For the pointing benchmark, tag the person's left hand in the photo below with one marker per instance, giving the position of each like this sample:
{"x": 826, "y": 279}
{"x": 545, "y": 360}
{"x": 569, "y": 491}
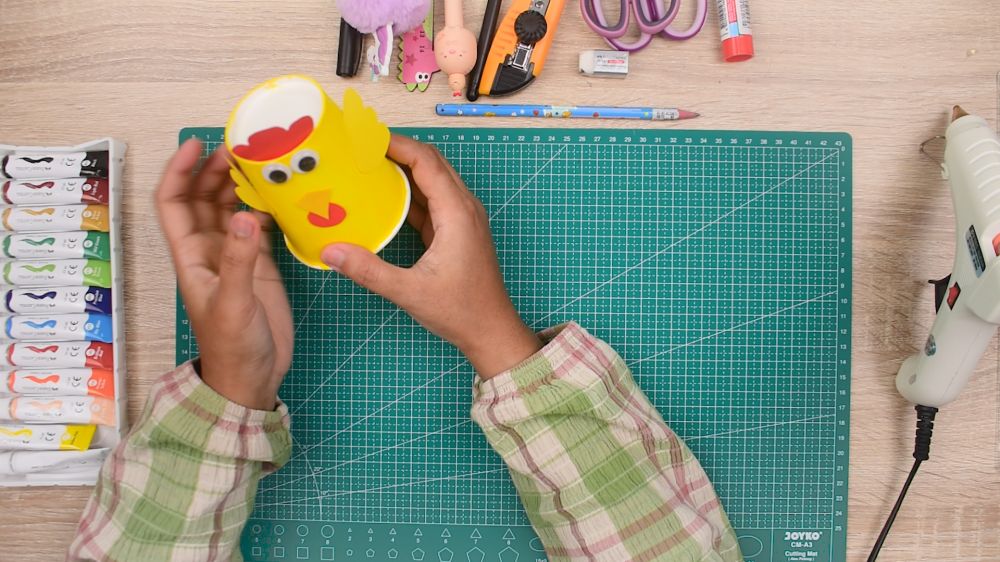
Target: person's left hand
{"x": 230, "y": 285}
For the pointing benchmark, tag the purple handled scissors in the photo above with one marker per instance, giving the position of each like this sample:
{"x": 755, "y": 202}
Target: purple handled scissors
{"x": 651, "y": 17}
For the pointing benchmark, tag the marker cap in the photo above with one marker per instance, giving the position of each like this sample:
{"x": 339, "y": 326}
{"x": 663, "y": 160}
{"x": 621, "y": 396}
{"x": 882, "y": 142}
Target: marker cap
{"x": 737, "y": 49}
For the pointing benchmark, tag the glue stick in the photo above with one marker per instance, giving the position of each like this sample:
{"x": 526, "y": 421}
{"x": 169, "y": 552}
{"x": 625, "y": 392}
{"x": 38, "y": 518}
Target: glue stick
{"x": 734, "y": 25}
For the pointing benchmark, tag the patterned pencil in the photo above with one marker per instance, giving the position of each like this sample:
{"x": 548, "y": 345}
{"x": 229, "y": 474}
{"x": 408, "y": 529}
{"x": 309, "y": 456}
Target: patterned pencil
{"x": 565, "y": 112}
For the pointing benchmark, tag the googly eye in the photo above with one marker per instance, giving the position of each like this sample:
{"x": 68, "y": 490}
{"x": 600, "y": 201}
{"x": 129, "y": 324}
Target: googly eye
{"x": 305, "y": 161}
{"x": 277, "y": 173}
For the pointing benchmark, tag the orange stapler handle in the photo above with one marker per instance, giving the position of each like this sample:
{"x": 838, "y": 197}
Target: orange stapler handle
{"x": 520, "y": 47}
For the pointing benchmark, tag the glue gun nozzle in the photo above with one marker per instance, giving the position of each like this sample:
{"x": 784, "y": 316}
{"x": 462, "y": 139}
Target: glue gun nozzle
{"x": 957, "y": 112}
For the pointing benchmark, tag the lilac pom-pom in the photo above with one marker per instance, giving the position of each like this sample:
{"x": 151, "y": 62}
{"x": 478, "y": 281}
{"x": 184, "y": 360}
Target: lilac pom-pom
{"x": 368, "y": 15}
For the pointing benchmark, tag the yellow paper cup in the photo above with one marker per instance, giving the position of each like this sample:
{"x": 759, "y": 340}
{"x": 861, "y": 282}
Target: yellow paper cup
{"x": 319, "y": 170}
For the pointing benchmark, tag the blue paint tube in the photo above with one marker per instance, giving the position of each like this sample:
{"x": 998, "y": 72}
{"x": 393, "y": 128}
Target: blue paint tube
{"x": 68, "y": 327}
{"x": 59, "y": 300}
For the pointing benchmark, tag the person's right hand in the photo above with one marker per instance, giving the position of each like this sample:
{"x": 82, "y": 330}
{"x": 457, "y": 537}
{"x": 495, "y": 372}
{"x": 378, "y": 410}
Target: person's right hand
{"x": 455, "y": 290}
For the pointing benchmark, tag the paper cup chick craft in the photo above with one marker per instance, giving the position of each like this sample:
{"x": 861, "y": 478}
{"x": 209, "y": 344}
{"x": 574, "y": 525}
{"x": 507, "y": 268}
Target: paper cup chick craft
{"x": 319, "y": 170}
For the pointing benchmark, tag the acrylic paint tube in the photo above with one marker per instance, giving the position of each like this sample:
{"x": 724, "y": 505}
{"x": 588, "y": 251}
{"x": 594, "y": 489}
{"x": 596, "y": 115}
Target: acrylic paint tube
{"x": 57, "y": 273}
{"x": 55, "y": 165}
{"x": 58, "y": 218}
{"x": 29, "y": 462}
{"x": 20, "y": 437}
{"x": 77, "y": 244}
{"x": 69, "y": 327}
{"x": 61, "y": 382}
{"x": 51, "y": 355}
{"x": 58, "y": 300}
{"x": 68, "y": 191}
{"x": 60, "y": 409}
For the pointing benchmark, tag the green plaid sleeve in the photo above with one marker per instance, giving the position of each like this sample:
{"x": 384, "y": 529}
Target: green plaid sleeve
{"x": 182, "y": 484}
{"x": 600, "y": 474}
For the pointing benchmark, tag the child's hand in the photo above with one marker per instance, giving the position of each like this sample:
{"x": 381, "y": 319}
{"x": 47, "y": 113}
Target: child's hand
{"x": 230, "y": 285}
{"x": 455, "y": 290}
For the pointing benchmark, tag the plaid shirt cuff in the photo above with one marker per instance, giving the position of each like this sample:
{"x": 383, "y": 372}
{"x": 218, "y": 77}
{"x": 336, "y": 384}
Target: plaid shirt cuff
{"x": 600, "y": 474}
{"x": 226, "y": 428}
{"x": 562, "y": 344}
{"x": 182, "y": 484}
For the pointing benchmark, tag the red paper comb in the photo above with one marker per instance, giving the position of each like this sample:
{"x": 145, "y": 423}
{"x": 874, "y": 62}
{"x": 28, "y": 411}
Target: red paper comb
{"x": 274, "y": 142}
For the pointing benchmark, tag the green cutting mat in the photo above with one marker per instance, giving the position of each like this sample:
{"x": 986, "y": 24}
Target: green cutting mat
{"x": 717, "y": 263}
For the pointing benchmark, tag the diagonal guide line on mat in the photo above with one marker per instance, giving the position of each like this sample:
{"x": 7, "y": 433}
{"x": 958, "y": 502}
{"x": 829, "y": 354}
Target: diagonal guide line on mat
{"x": 309, "y": 467}
{"x": 397, "y": 310}
{"x": 369, "y": 455}
{"x": 389, "y": 487}
{"x": 518, "y": 191}
{"x": 312, "y": 303}
{"x": 758, "y": 427}
{"x": 347, "y": 360}
{"x": 361, "y": 420}
{"x": 672, "y": 245}
{"x": 731, "y": 328}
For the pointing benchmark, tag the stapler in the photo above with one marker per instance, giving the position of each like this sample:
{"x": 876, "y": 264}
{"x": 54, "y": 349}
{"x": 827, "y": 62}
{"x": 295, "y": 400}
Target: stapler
{"x": 512, "y": 54}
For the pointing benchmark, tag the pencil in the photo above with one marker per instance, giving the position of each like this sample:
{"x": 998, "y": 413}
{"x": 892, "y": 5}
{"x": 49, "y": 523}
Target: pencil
{"x": 577, "y": 112}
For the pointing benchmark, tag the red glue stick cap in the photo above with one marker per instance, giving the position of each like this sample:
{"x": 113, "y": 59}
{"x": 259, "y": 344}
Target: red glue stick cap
{"x": 736, "y": 49}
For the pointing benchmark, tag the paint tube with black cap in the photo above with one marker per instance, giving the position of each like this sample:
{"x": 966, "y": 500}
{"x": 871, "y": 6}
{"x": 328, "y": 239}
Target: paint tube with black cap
{"x": 55, "y": 165}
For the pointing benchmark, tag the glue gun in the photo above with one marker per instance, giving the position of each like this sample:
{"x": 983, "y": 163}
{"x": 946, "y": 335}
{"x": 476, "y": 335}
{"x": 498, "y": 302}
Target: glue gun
{"x": 968, "y": 300}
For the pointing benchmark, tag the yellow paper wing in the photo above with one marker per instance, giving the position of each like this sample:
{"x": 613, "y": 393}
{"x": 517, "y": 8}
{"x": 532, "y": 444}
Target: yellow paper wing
{"x": 369, "y": 136}
{"x": 246, "y": 192}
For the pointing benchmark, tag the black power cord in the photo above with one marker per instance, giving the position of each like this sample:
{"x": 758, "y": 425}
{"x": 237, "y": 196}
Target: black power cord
{"x": 921, "y": 452}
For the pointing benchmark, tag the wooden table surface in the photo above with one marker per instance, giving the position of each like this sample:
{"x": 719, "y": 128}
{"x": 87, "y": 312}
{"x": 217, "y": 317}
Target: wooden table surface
{"x": 887, "y": 72}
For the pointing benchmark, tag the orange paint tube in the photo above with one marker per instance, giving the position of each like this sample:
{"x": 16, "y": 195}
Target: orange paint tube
{"x": 62, "y": 382}
{"x": 66, "y": 409}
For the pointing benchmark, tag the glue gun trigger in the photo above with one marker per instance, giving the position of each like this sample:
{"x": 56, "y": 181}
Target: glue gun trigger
{"x": 940, "y": 291}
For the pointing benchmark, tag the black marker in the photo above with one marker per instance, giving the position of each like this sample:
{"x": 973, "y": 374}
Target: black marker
{"x": 486, "y": 35}
{"x": 349, "y": 52}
